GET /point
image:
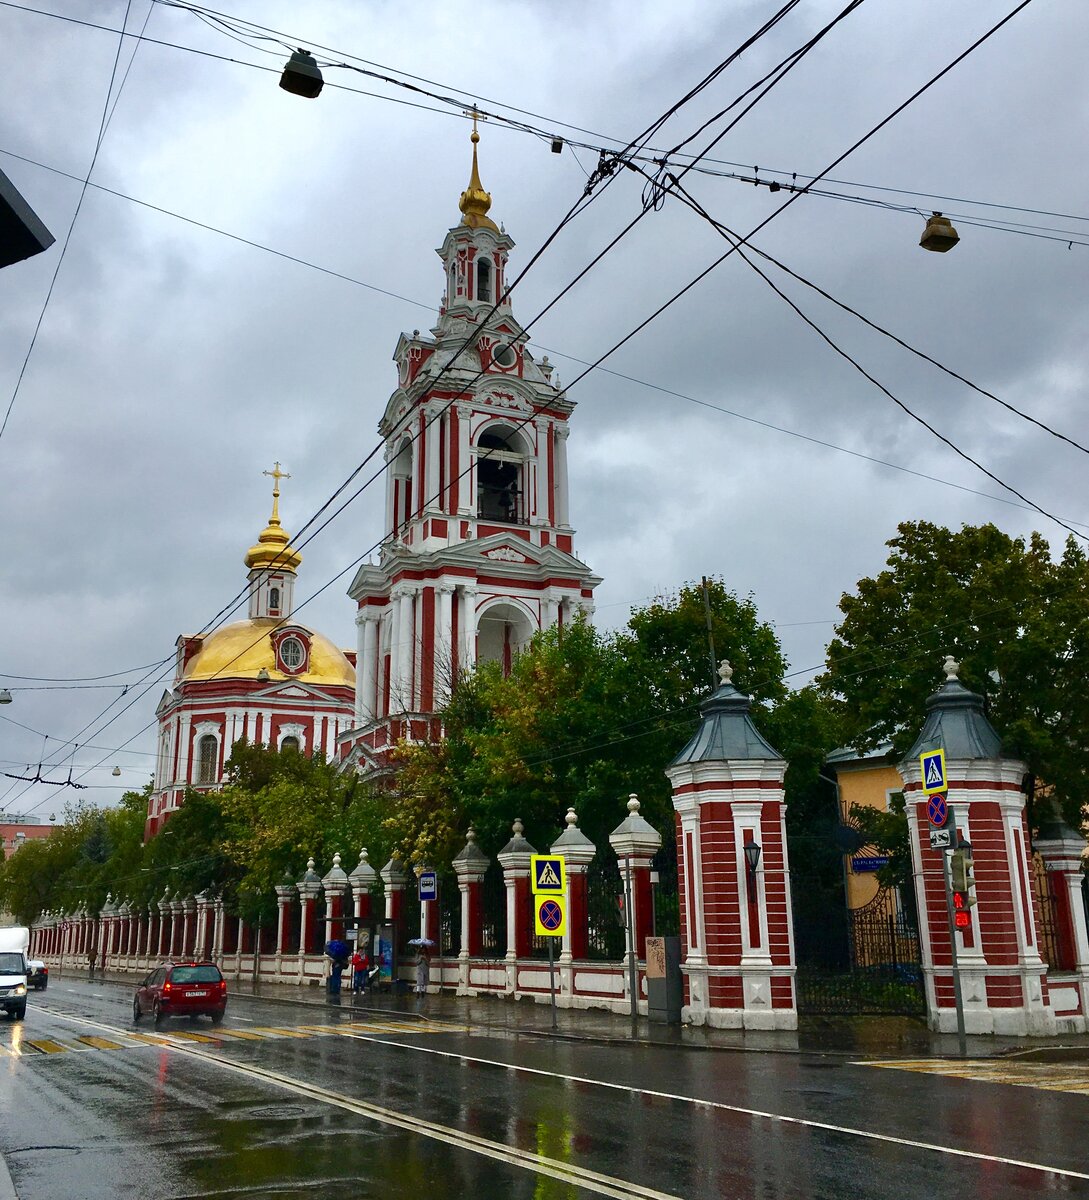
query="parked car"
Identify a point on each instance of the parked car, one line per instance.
(37, 974)
(182, 989)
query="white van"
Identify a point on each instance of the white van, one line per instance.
(14, 943)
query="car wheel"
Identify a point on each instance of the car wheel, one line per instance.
(156, 1013)
(217, 1018)
(19, 1014)
(135, 1011)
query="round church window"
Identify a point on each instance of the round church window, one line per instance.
(505, 356)
(291, 654)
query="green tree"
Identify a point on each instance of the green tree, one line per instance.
(1013, 615)
(278, 808)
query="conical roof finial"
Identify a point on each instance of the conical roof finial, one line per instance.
(475, 201)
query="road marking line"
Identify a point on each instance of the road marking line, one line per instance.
(100, 1043)
(149, 1038)
(188, 1036)
(717, 1105)
(803, 1122)
(1052, 1077)
(241, 1034)
(47, 1046)
(275, 1031)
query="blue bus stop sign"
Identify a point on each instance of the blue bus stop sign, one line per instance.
(429, 886)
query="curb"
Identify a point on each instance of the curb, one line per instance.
(7, 1186)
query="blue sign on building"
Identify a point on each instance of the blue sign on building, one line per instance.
(869, 862)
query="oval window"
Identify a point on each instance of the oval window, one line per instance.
(505, 356)
(291, 654)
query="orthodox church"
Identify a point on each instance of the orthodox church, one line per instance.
(268, 679)
(478, 553)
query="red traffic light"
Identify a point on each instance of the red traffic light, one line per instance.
(962, 915)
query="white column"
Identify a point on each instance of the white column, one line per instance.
(391, 516)
(394, 650)
(431, 498)
(468, 628)
(444, 652)
(467, 482)
(366, 703)
(184, 738)
(539, 464)
(562, 514)
(406, 633)
(550, 610)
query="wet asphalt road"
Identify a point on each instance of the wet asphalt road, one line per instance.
(373, 1104)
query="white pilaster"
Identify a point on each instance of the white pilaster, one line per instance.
(444, 656)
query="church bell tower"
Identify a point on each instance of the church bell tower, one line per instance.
(479, 551)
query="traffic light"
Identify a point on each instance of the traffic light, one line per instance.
(962, 882)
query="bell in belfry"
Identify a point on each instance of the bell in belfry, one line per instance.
(939, 234)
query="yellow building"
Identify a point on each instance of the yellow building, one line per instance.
(870, 779)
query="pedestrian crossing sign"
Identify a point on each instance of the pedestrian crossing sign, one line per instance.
(547, 874)
(932, 768)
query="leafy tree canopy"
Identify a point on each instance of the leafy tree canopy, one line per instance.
(1013, 615)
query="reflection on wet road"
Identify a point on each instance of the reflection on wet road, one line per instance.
(288, 1099)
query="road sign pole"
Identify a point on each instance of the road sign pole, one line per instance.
(958, 996)
(552, 978)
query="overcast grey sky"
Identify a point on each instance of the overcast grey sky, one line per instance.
(174, 364)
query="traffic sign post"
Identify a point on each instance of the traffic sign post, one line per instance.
(958, 995)
(548, 875)
(429, 885)
(932, 771)
(550, 921)
(937, 809)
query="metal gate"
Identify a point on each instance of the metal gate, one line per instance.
(873, 968)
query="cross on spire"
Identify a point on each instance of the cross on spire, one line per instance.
(276, 474)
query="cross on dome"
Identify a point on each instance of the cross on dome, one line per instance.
(276, 474)
(475, 201)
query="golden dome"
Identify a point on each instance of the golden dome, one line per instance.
(475, 201)
(272, 549)
(243, 649)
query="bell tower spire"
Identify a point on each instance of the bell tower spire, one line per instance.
(475, 201)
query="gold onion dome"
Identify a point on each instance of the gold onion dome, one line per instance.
(272, 550)
(475, 201)
(243, 650)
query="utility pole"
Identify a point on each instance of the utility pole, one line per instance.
(710, 633)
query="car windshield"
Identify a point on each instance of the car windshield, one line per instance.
(11, 964)
(208, 974)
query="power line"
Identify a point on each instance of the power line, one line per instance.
(603, 177)
(735, 241)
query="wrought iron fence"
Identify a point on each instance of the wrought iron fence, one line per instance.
(493, 912)
(882, 974)
(449, 917)
(1054, 949)
(667, 908)
(603, 887)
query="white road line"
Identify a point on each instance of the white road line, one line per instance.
(781, 1118)
(539, 1164)
(735, 1108)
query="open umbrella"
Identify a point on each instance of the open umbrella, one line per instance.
(420, 942)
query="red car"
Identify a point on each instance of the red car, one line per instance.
(184, 989)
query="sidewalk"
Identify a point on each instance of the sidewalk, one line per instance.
(841, 1037)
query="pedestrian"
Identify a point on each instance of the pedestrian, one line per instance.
(423, 970)
(360, 966)
(91, 963)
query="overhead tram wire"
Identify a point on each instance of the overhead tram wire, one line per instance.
(649, 155)
(994, 29)
(587, 196)
(734, 239)
(71, 227)
(731, 235)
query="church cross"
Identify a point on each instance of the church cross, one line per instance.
(276, 474)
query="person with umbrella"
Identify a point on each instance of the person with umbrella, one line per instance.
(423, 963)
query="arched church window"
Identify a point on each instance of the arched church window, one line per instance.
(484, 279)
(207, 759)
(290, 743)
(291, 653)
(500, 468)
(274, 598)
